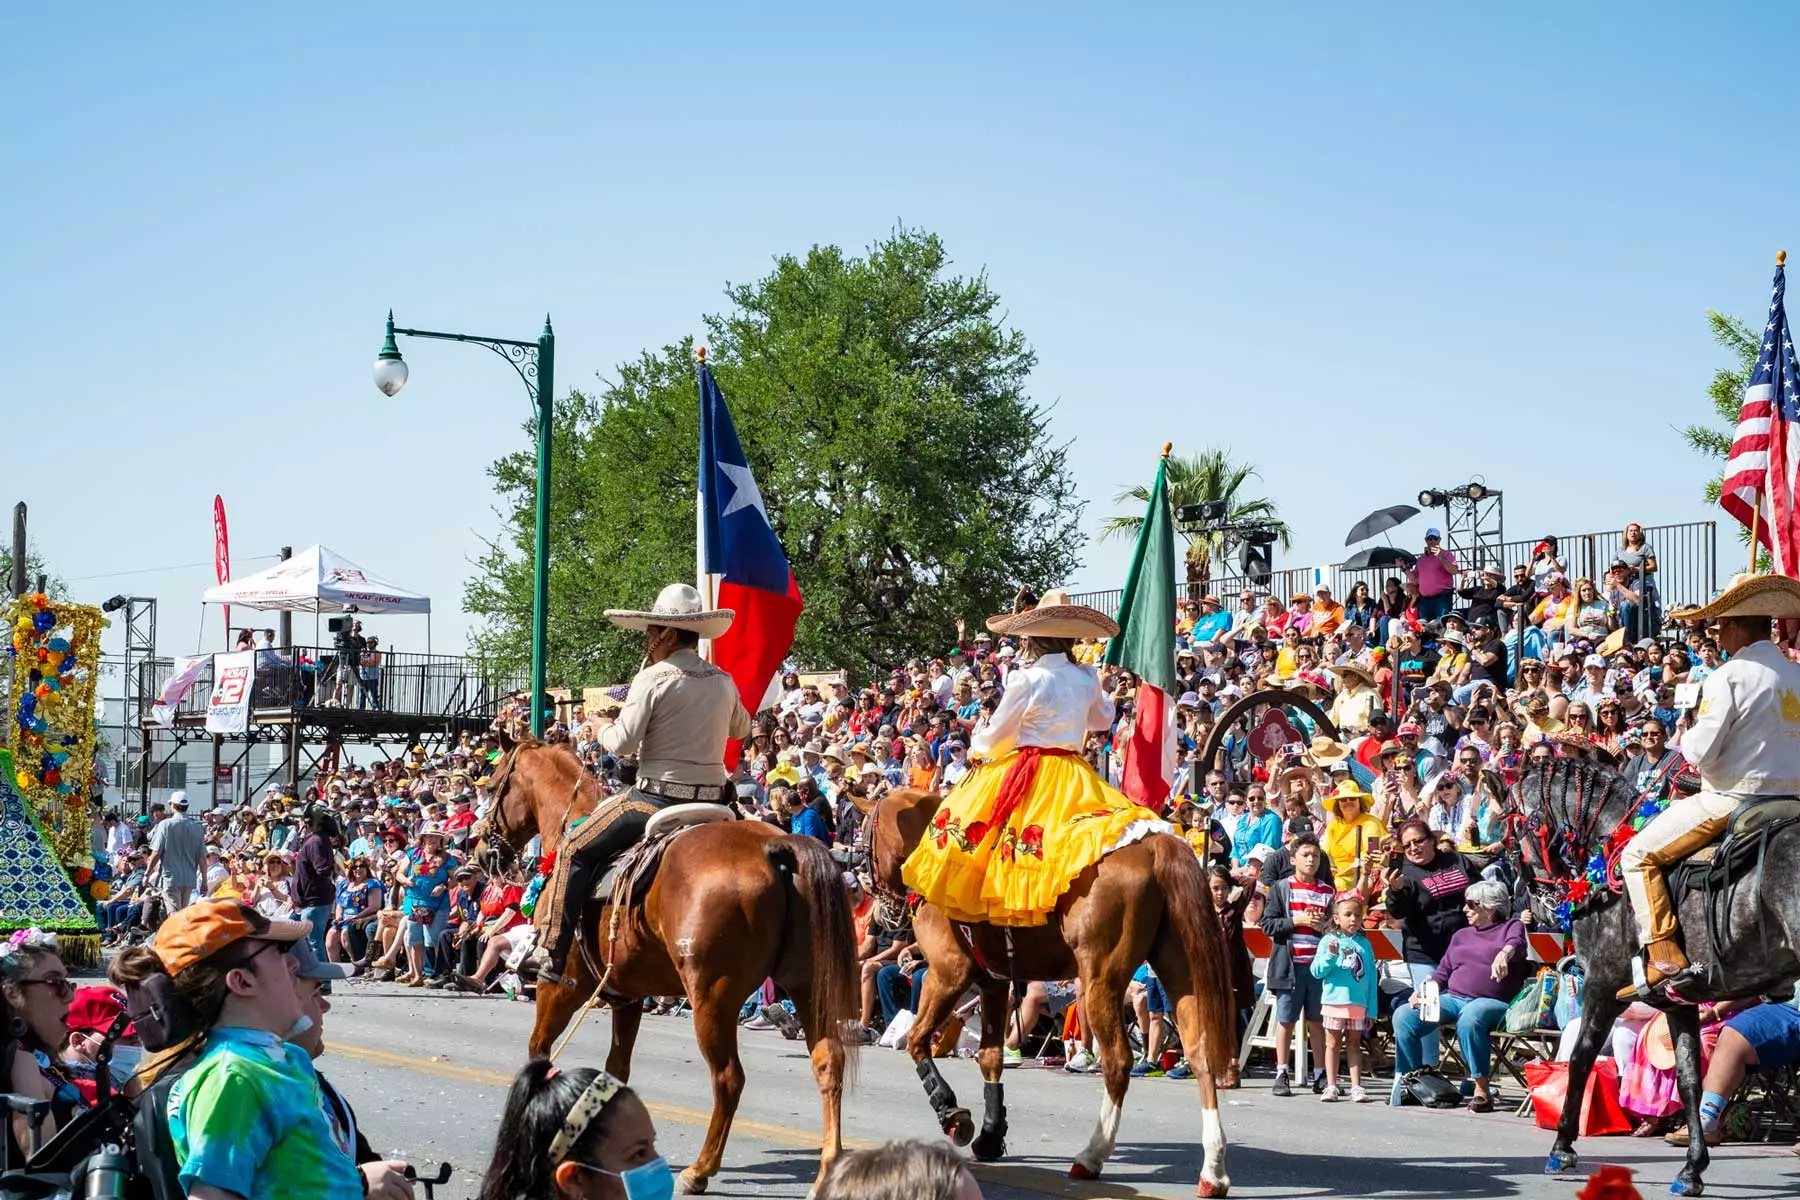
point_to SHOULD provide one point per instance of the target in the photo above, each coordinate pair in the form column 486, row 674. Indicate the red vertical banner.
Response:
column 222, row 555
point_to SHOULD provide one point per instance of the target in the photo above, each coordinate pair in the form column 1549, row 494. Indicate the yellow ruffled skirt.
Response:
column 1014, row 874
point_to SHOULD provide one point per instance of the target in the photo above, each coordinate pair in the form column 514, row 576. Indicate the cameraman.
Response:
column 349, row 643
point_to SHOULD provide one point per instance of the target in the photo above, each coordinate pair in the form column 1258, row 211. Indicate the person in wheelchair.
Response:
column 1744, row 740
column 677, row 717
column 35, row 991
column 215, row 994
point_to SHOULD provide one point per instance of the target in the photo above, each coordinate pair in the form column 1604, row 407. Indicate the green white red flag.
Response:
column 1145, row 646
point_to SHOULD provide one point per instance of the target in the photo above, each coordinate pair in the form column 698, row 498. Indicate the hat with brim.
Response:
column 1056, row 616
column 1327, row 751
column 209, row 927
column 677, row 606
column 1749, row 596
column 1659, row 1045
column 1347, row 790
column 1357, row 669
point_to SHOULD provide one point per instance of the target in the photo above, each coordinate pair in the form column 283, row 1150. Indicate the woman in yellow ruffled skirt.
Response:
column 1033, row 813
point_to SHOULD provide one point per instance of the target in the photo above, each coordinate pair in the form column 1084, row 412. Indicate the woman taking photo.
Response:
column 35, row 991
column 579, row 1134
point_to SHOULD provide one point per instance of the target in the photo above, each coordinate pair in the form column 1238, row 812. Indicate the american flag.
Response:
column 1762, row 472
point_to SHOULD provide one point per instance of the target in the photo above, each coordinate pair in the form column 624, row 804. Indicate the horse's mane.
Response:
column 1579, row 802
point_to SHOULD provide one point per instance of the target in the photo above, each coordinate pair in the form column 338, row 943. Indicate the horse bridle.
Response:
column 494, row 824
column 892, row 908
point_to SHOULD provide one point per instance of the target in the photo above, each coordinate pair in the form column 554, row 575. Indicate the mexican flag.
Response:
column 1145, row 646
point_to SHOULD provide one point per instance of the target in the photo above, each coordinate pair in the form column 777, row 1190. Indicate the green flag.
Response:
column 1145, row 646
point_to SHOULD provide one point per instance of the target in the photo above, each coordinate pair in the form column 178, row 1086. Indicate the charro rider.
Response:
column 1033, row 813
column 676, row 719
column 1743, row 739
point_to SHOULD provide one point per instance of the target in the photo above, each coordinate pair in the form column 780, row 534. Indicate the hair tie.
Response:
column 552, row 1073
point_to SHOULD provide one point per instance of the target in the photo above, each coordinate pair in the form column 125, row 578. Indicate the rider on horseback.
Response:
column 1743, row 738
column 676, row 719
column 1033, row 813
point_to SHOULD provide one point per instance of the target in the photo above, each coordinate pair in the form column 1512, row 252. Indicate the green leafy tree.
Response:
column 34, row 567
column 882, row 404
column 1726, row 392
column 1209, row 476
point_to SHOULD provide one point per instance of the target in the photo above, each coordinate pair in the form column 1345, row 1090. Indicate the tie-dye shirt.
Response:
column 247, row 1119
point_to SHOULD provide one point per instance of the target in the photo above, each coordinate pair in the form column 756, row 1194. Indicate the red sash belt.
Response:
column 1019, row 778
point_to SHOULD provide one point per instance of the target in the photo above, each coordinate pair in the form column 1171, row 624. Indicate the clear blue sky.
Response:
column 1368, row 250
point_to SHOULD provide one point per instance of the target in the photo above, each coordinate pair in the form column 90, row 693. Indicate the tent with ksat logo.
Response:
column 49, row 875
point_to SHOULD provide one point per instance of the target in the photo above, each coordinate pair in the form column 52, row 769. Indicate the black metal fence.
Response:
column 1687, row 568
column 306, row 677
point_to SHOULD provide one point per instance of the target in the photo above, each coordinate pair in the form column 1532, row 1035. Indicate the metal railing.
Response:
column 309, row 677
column 1687, row 557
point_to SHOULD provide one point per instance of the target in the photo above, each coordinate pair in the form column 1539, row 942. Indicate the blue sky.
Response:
column 1367, row 249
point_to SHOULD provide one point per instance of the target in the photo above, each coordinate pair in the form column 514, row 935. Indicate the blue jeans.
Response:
column 1434, row 608
column 1416, row 1043
column 896, row 990
column 319, row 915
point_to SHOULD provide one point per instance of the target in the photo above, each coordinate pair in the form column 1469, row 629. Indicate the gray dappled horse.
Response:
column 1562, row 815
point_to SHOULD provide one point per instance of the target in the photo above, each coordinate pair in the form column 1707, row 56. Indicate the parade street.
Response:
column 428, row 1073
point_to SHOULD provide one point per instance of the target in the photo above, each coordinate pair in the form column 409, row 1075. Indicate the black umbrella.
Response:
column 1379, row 521
column 1373, row 557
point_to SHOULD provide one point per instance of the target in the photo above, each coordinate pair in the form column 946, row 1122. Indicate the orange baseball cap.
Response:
column 206, row 927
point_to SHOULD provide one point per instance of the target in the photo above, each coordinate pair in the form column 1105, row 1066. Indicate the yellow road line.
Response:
column 1038, row 1180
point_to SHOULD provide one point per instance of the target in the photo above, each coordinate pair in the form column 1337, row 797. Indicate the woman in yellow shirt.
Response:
column 1351, row 835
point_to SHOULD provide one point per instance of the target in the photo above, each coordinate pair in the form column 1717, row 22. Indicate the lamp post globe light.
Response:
column 535, row 363
column 390, row 368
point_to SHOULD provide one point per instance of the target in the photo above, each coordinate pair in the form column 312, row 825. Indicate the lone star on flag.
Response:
column 745, row 493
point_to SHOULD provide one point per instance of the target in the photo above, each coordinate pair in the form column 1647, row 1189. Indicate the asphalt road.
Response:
column 427, row 1074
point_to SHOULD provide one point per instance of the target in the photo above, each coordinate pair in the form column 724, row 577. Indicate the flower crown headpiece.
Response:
column 27, row 939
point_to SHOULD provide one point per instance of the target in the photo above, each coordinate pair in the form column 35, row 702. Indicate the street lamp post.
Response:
column 536, row 364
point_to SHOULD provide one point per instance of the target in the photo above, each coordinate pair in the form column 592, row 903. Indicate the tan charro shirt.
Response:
column 676, row 720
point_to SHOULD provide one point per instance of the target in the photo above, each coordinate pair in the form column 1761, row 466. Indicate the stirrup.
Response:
column 546, row 975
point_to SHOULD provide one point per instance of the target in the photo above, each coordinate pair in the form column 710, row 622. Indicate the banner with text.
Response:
column 228, row 711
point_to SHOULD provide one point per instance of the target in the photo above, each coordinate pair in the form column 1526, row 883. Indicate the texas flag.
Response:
column 741, row 564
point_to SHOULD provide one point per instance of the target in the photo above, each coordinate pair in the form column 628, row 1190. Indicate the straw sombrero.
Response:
column 1749, row 596
column 1355, row 668
column 1056, row 616
column 1325, row 751
column 677, row 606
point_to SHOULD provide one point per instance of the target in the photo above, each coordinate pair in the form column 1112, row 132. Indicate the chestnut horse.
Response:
column 1147, row 901
column 733, row 904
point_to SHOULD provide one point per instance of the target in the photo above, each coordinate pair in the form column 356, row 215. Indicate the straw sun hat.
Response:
column 1749, row 596
column 677, row 606
column 1056, row 616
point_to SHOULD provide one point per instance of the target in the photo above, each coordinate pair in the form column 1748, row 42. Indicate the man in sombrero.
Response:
column 676, row 719
column 1744, row 740
column 1033, row 813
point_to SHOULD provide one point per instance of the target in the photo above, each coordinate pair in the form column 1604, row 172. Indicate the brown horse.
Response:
column 733, row 904
column 1145, row 901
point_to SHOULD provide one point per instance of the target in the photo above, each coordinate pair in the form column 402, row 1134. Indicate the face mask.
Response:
column 647, row 1181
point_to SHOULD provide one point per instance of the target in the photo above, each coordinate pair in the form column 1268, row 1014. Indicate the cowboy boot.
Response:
column 1663, row 960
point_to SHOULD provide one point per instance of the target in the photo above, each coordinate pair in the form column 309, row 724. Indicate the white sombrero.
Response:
column 677, row 606
column 1749, row 596
column 1055, row 616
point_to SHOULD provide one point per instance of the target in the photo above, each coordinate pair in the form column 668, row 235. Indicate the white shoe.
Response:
column 1082, row 1062
column 1331, row 1095
column 759, row 1022
column 1359, row 1095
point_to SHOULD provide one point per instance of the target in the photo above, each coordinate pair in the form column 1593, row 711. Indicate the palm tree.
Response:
column 1207, row 477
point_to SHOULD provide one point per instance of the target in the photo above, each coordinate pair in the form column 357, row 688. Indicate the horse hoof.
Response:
column 1080, row 1170
column 989, row 1147
column 1681, row 1185
column 690, row 1184
column 1559, row 1161
column 1209, row 1188
column 958, row 1126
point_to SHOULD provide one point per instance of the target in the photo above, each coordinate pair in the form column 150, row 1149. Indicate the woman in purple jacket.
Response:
column 1482, row 969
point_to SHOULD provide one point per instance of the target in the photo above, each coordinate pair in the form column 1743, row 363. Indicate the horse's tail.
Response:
column 1188, row 907
column 818, row 881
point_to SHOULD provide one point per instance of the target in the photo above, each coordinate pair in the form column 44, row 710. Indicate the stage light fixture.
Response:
column 1431, row 498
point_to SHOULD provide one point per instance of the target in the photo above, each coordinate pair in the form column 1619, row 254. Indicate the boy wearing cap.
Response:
column 246, row 1119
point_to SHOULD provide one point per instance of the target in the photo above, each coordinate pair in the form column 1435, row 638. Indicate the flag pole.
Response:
column 1755, row 528
column 702, row 581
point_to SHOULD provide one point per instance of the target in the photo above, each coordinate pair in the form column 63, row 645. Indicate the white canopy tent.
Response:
column 317, row 580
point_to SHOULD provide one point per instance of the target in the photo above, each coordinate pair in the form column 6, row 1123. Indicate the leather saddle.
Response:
column 1753, row 817
column 1716, row 872
column 629, row 878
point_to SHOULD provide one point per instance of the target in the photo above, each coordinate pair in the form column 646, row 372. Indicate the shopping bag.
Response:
column 1569, row 980
column 1601, row 1113
column 1533, row 1008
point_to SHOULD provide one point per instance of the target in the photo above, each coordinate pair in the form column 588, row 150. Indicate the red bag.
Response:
column 1601, row 1113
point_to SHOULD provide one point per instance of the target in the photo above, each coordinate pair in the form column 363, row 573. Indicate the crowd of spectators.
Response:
column 1439, row 691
